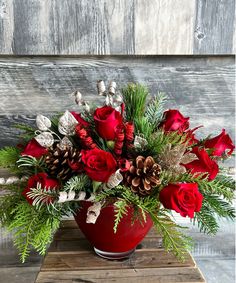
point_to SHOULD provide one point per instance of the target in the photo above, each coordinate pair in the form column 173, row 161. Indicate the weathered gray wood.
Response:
column 31, row 27
column 202, row 88
column 164, row 27
column 214, row 27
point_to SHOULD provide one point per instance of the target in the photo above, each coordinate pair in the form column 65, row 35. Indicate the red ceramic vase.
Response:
column 106, row 243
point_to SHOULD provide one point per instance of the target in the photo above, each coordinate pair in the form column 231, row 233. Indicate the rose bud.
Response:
column 174, row 121
column 184, row 198
column 34, row 149
column 106, row 120
column 204, row 164
column 98, row 164
column 222, row 144
column 44, row 181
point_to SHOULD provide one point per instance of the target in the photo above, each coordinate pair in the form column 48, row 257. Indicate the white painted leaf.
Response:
column 43, row 123
column 45, row 139
column 67, row 123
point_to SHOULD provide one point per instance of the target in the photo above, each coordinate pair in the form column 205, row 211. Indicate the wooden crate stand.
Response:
column 71, row 258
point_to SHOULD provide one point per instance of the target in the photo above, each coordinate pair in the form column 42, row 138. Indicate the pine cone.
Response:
column 143, row 175
column 61, row 162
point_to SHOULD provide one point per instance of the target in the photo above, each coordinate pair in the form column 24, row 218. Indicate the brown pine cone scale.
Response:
column 58, row 162
column 143, row 175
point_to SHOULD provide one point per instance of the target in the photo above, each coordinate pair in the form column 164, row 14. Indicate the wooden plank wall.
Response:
column 201, row 87
column 104, row 27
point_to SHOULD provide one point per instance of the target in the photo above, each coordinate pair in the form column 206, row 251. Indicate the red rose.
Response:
column 34, row 149
column 44, row 180
column 222, row 144
column 106, row 120
column 184, row 198
column 174, row 121
column 80, row 119
column 98, row 164
column 204, row 164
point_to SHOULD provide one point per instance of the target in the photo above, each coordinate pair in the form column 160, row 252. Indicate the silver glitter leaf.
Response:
column 67, row 123
column 43, row 123
column 45, row 139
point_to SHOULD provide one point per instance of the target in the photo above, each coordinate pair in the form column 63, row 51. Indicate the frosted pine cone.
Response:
column 63, row 162
column 143, row 175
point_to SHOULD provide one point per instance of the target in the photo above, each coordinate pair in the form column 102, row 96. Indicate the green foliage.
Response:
column 206, row 221
column 143, row 127
column 28, row 132
column 173, row 240
column 155, row 109
column 8, row 156
column 159, row 140
column 120, row 210
column 32, row 228
column 77, row 183
column 134, row 96
column 12, row 195
column 31, row 165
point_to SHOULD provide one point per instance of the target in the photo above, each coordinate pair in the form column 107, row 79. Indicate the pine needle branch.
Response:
column 8, row 156
column 134, row 96
column 155, row 109
column 120, row 211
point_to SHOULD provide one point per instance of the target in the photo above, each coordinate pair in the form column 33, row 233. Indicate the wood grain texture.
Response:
column 214, row 27
column 148, row 264
column 201, row 87
column 164, row 27
column 102, row 27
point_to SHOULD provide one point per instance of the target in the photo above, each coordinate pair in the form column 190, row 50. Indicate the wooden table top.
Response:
column 71, row 258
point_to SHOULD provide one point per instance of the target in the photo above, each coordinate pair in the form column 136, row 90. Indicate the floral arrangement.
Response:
column 129, row 152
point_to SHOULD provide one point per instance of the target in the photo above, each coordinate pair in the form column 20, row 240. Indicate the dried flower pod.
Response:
column 12, row 180
column 109, row 100
column 66, row 196
column 112, row 88
column 93, row 212
column 43, row 123
column 45, row 139
column 78, row 98
column 67, row 123
column 101, row 87
column 86, row 106
column 114, row 180
column 140, row 142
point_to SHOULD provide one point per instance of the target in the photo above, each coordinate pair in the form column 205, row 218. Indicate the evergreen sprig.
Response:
column 173, row 239
column 134, row 96
column 32, row 228
column 155, row 109
column 8, row 156
column 120, row 211
column 31, row 165
column 77, row 183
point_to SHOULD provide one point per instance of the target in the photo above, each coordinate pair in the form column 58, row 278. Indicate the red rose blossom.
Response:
column 222, row 144
column 204, row 164
column 106, row 120
column 44, row 180
column 184, row 198
column 34, row 149
column 174, row 121
column 80, row 119
column 98, row 164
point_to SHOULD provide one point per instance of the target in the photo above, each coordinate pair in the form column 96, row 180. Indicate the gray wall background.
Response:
column 105, row 27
